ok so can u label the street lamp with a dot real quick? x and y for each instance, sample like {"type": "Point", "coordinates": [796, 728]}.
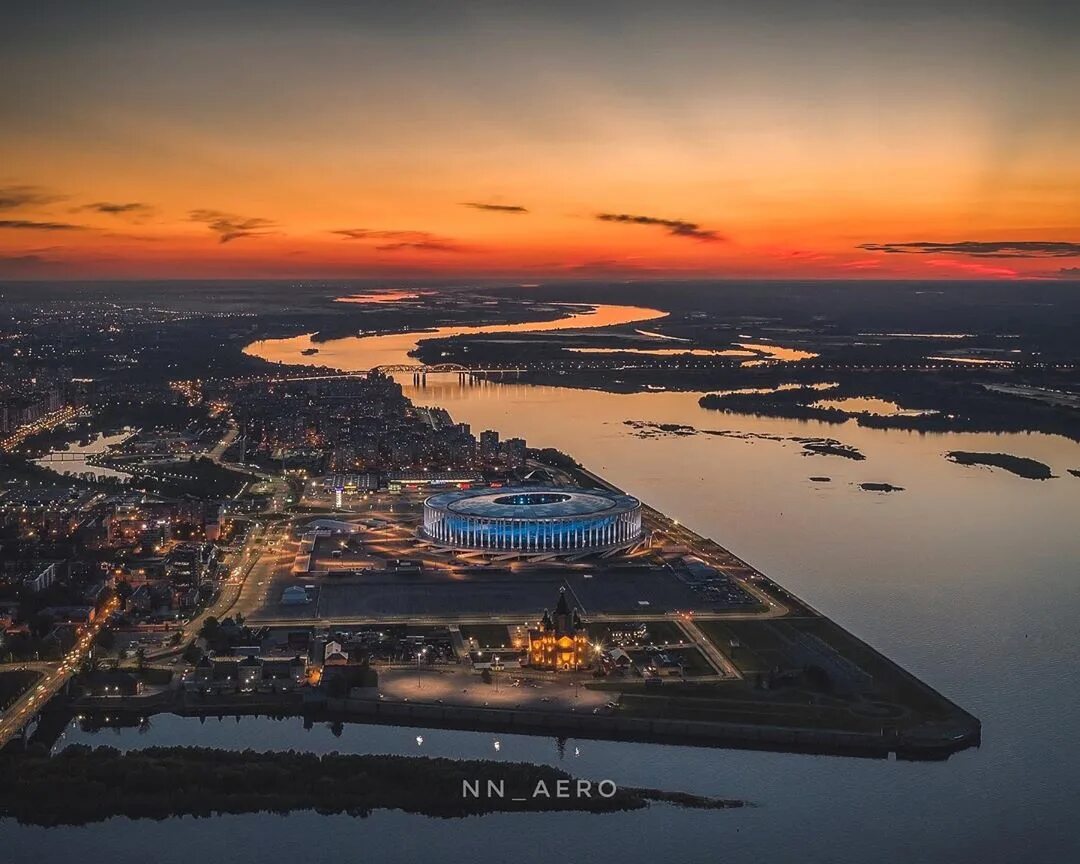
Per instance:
{"type": "Point", "coordinates": [419, 655]}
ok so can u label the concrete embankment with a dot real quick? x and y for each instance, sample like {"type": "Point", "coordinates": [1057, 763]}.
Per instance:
{"type": "Point", "coordinates": [922, 743]}
{"type": "Point", "coordinates": [927, 742]}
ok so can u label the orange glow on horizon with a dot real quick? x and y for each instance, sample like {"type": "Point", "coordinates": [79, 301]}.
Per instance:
{"type": "Point", "coordinates": [340, 143]}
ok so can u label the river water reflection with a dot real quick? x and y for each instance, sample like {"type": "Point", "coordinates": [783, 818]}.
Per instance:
{"type": "Point", "coordinates": [72, 459]}
{"type": "Point", "coordinates": [358, 353]}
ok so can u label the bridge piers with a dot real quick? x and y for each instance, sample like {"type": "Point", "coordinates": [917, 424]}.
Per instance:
{"type": "Point", "coordinates": [419, 374]}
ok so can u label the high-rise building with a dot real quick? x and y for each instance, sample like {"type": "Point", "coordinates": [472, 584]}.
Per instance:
{"type": "Point", "coordinates": [514, 452]}
{"type": "Point", "coordinates": [489, 445]}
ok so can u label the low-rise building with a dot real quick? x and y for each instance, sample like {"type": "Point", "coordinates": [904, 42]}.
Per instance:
{"type": "Point", "coordinates": [113, 683]}
{"type": "Point", "coordinates": [247, 675]}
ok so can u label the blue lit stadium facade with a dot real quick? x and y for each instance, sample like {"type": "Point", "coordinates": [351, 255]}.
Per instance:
{"type": "Point", "coordinates": [538, 520]}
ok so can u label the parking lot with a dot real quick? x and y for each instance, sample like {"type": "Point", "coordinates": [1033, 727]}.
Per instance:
{"type": "Point", "coordinates": [358, 576]}
{"type": "Point", "coordinates": [386, 593]}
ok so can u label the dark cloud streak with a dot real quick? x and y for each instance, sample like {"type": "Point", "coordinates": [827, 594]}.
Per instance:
{"type": "Point", "coordinates": [495, 208]}
{"type": "Point", "coordinates": [423, 245]}
{"type": "Point", "coordinates": [12, 197]}
{"type": "Point", "coordinates": [133, 209]}
{"type": "Point", "coordinates": [675, 227]}
{"type": "Point", "coordinates": [32, 225]}
{"type": "Point", "coordinates": [29, 264]}
{"type": "Point", "coordinates": [229, 226]}
{"type": "Point", "coordinates": [981, 248]}
{"type": "Point", "coordinates": [400, 240]}
{"type": "Point", "coordinates": [23, 259]}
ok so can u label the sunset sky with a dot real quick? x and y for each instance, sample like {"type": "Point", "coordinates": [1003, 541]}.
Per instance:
{"type": "Point", "coordinates": [543, 139]}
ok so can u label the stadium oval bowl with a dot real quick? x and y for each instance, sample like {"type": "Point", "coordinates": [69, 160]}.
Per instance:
{"type": "Point", "coordinates": [535, 519]}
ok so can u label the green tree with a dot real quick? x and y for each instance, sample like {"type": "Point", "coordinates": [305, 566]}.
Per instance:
{"type": "Point", "coordinates": [106, 640]}
{"type": "Point", "coordinates": [209, 628]}
{"type": "Point", "coordinates": [40, 624]}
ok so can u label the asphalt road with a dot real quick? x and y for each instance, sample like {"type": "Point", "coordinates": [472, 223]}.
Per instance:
{"type": "Point", "coordinates": [55, 676]}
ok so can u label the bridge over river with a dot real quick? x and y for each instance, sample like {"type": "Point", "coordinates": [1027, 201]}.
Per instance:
{"type": "Point", "coordinates": [417, 370]}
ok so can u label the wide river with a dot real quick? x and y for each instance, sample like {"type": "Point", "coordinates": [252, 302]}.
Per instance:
{"type": "Point", "coordinates": [969, 577]}
{"type": "Point", "coordinates": [359, 353]}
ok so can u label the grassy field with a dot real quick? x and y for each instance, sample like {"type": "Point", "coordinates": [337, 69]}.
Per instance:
{"type": "Point", "coordinates": [742, 705]}
{"type": "Point", "coordinates": [487, 635]}
{"type": "Point", "coordinates": [13, 684]}
{"type": "Point", "coordinates": [894, 692]}
{"type": "Point", "coordinates": [890, 681]}
{"type": "Point", "coordinates": [694, 663]}
{"type": "Point", "coordinates": [660, 633]}
{"type": "Point", "coordinates": [748, 661]}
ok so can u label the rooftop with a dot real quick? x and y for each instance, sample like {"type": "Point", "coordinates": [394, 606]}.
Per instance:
{"type": "Point", "coordinates": [533, 502]}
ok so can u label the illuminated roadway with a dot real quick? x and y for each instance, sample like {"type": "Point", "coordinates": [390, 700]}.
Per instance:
{"type": "Point", "coordinates": [233, 597]}
{"type": "Point", "coordinates": [231, 434]}
{"type": "Point", "coordinates": [49, 421]}
{"type": "Point", "coordinates": [27, 706]}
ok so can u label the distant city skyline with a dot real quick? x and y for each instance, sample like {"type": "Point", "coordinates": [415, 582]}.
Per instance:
{"type": "Point", "coordinates": [536, 141]}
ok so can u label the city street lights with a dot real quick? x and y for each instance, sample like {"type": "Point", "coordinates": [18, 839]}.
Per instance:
{"type": "Point", "coordinates": [419, 656]}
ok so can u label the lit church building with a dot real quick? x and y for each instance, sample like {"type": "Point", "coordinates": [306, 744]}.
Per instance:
{"type": "Point", "coordinates": [561, 641]}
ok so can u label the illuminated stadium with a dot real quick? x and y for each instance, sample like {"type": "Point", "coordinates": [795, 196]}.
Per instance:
{"type": "Point", "coordinates": [544, 520]}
